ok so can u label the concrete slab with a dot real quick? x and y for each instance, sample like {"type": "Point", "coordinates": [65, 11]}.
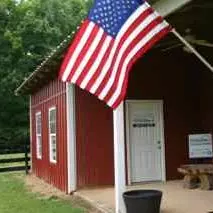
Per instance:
{"type": "Point", "coordinates": [176, 199]}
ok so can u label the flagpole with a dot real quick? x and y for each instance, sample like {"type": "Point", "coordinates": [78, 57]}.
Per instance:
{"type": "Point", "coordinates": [187, 44]}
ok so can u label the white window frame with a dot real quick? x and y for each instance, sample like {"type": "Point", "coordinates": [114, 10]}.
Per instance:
{"type": "Point", "coordinates": [38, 135]}
{"type": "Point", "coordinates": [51, 135]}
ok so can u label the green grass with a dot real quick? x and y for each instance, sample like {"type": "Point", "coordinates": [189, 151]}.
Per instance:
{"type": "Point", "coordinates": [14, 198]}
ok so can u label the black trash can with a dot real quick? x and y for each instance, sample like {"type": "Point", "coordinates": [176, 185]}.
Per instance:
{"type": "Point", "coordinates": [142, 201]}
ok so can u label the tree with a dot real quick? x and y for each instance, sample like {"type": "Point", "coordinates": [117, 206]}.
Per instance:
{"type": "Point", "coordinates": [29, 29]}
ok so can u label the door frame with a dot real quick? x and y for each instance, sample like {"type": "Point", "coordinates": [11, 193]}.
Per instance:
{"type": "Point", "coordinates": [162, 138]}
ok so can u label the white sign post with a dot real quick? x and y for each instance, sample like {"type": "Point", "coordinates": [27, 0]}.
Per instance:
{"type": "Point", "coordinates": [200, 146]}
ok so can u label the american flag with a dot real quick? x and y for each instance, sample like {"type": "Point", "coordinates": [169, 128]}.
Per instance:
{"type": "Point", "coordinates": [113, 36]}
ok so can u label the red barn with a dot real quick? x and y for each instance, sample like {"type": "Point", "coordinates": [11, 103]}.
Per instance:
{"type": "Point", "coordinates": [72, 131]}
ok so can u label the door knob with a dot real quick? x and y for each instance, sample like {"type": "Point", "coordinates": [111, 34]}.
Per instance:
{"type": "Point", "coordinates": [158, 142]}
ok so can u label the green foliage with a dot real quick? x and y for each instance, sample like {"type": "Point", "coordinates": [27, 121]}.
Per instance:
{"type": "Point", "coordinates": [29, 29]}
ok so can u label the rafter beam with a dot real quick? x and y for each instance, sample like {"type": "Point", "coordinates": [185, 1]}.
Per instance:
{"type": "Point", "coordinates": [166, 7]}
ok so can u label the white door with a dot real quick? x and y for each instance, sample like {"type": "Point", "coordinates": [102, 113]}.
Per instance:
{"type": "Point", "coordinates": [146, 145]}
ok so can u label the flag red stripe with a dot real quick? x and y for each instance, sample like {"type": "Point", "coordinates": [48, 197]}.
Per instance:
{"type": "Point", "coordinates": [75, 42]}
{"type": "Point", "coordinates": [139, 37]}
{"type": "Point", "coordinates": [99, 69]}
{"type": "Point", "coordinates": [91, 60]}
{"type": "Point", "coordinates": [143, 16]}
{"type": "Point", "coordinates": [151, 42]}
{"type": "Point", "coordinates": [83, 52]}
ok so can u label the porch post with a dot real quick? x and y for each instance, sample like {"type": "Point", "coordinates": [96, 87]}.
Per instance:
{"type": "Point", "coordinates": [119, 158]}
{"type": "Point", "coordinates": [71, 139]}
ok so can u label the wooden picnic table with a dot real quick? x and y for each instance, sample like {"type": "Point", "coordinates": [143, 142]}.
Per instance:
{"type": "Point", "coordinates": [197, 175]}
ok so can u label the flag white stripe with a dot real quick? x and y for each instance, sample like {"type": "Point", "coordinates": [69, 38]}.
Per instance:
{"type": "Point", "coordinates": [125, 45]}
{"type": "Point", "coordinates": [88, 55]}
{"type": "Point", "coordinates": [77, 51]}
{"type": "Point", "coordinates": [124, 28]}
{"type": "Point", "coordinates": [134, 51]}
{"type": "Point", "coordinates": [96, 63]}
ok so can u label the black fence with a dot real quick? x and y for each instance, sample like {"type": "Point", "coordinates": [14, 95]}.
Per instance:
{"type": "Point", "coordinates": [6, 157]}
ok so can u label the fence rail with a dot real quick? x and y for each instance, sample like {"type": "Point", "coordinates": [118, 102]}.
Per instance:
{"type": "Point", "coordinates": [6, 151]}
{"type": "Point", "coordinates": [13, 160]}
{"type": "Point", "coordinates": [13, 151]}
{"type": "Point", "coordinates": [15, 168]}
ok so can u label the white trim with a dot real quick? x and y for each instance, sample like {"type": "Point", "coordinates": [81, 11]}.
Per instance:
{"type": "Point", "coordinates": [163, 151]}
{"type": "Point", "coordinates": [71, 138]}
{"type": "Point", "coordinates": [163, 160]}
{"type": "Point", "coordinates": [144, 101]}
{"type": "Point", "coordinates": [119, 158]}
{"type": "Point", "coordinates": [52, 134]}
{"type": "Point", "coordinates": [31, 134]}
{"type": "Point", "coordinates": [38, 154]}
{"type": "Point", "coordinates": [128, 143]}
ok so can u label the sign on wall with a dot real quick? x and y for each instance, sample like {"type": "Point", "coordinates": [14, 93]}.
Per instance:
{"type": "Point", "coordinates": [143, 120]}
{"type": "Point", "coordinates": [200, 146]}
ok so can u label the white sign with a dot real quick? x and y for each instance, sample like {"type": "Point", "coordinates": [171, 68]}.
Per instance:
{"type": "Point", "coordinates": [200, 146]}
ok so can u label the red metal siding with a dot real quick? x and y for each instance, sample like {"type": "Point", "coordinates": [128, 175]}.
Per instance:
{"type": "Point", "coordinates": [154, 77]}
{"type": "Point", "coordinates": [161, 76]}
{"type": "Point", "coordinates": [53, 94]}
{"type": "Point", "coordinates": [94, 141]}
{"type": "Point", "coordinates": [207, 101]}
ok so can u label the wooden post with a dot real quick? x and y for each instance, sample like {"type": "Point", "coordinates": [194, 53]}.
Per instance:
{"type": "Point", "coordinates": [31, 132]}
{"type": "Point", "coordinates": [119, 158]}
{"type": "Point", "coordinates": [26, 156]}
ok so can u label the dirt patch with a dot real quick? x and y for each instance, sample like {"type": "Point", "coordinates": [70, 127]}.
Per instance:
{"type": "Point", "coordinates": [37, 185]}
{"type": "Point", "coordinates": [46, 191]}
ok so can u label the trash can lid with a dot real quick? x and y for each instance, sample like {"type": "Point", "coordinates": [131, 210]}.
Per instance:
{"type": "Point", "coordinates": [142, 193]}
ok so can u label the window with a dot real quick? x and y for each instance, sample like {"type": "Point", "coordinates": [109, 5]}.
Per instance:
{"type": "Point", "coordinates": [52, 135]}
{"type": "Point", "coordinates": [38, 136]}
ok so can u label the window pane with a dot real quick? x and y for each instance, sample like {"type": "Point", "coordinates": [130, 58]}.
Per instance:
{"type": "Point", "coordinates": [52, 132]}
{"type": "Point", "coordinates": [53, 115]}
{"type": "Point", "coordinates": [53, 147]}
{"type": "Point", "coordinates": [38, 135]}
{"type": "Point", "coordinates": [39, 146]}
{"type": "Point", "coordinates": [38, 123]}
{"type": "Point", "coordinates": [52, 128]}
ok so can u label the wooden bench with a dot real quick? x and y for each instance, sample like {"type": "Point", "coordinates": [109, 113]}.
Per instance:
{"type": "Point", "coordinates": [197, 175]}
